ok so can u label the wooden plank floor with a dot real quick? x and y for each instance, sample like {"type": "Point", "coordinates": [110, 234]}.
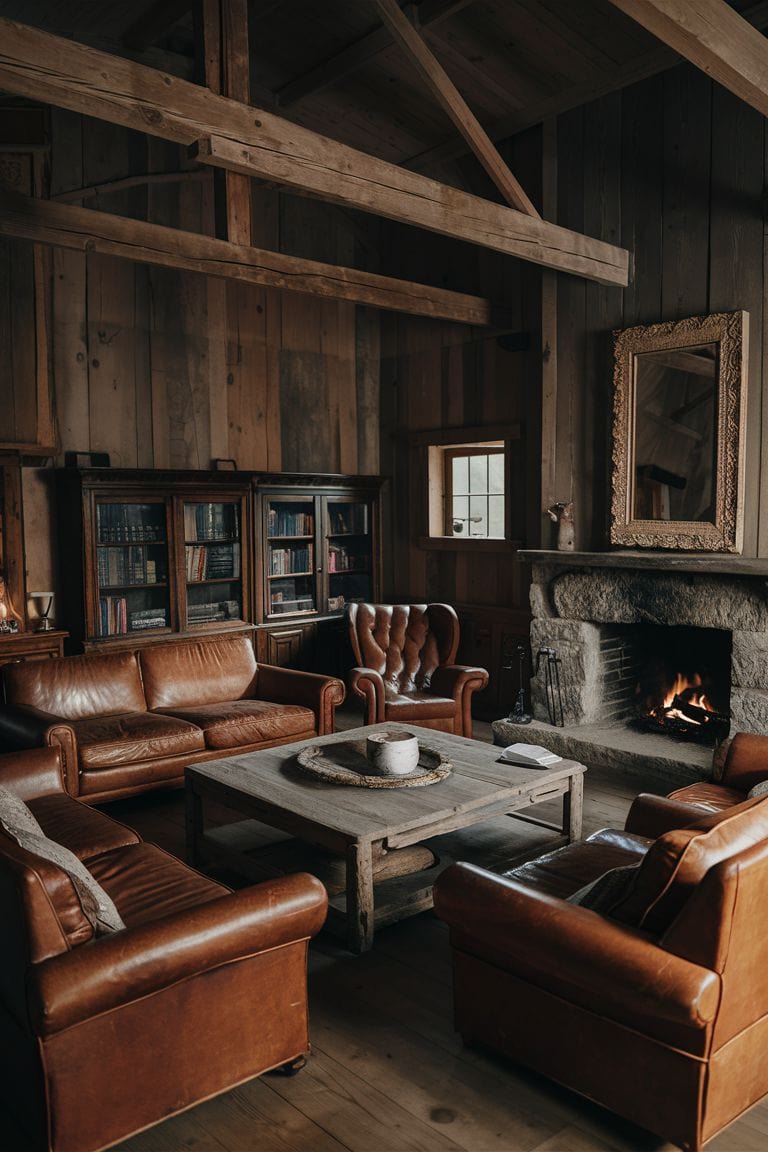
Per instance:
{"type": "Point", "coordinates": [387, 1072]}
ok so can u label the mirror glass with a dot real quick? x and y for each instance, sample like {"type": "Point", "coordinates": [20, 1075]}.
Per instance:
{"type": "Point", "coordinates": [675, 433]}
{"type": "Point", "coordinates": [679, 418]}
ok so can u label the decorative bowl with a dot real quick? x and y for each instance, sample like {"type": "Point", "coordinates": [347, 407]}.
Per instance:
{"type": "Point", "coordinates": [392, 753]}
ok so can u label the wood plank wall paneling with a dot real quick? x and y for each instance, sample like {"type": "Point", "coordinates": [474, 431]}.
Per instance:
{"type": "Point", "coordinates": [676, 165]}
{"type": "Point", "coordinates": [167, 369]}
{"type": "Point", "coordinates": [736, 267]}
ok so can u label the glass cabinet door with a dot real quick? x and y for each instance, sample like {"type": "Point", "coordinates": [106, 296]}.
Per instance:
{"type": "Point", "coordinates": [349, 549]}
{"type": "Point", "coordinates": [132, 567]}
{"type": "Point", "coordinates": [291, 582]}
{"type": "Point", "coordinates": [213, 561]}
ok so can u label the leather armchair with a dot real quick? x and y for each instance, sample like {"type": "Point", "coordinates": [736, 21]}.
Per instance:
{"type": "Point", "coordinates": [655, 1006]}
{"type": "Point", "coordinates": [744, 764]}
{"type": "Point", "coordinates": [406, 666]}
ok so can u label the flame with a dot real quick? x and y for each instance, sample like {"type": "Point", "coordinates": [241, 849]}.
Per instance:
{"type": "Point", "coordinates": [687, 687]}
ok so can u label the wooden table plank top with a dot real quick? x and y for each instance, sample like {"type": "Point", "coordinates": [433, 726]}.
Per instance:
{"type": "Point", "coordinates": [477, 781]}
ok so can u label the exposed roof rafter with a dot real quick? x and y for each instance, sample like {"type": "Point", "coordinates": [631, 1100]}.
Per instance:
{"type": "Point", "coordinates": [453, 104]}
{"type": "Point", "coordinates": [712, 36]}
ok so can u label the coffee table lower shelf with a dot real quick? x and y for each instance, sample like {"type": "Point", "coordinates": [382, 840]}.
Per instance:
{"type": "Point", "coordinates": [257, 852]}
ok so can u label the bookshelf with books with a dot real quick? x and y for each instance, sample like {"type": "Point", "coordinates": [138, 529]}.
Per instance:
{"type": "Point", "coordinates": [317, 550]}
{"type": "Point", "coordinates": [154, 554]}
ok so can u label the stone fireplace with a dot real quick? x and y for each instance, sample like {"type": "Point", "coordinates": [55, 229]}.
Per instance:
{"type": "Point", "coordinates": [614, 620]}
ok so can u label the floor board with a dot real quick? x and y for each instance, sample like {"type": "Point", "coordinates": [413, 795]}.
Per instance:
{"type": "Point", "coordinates": [387, 1072]}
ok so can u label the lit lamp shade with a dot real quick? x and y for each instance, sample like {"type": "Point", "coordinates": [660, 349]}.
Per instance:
{"type": "Point", "coordinates": [43, 602]}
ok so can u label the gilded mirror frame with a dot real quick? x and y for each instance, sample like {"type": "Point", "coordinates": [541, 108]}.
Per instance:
{"type": "Point", "coordinates": [729, 331]}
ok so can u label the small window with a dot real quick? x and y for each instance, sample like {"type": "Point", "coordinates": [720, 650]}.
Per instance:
{"type": "Point", "coordinates": [473, 491]}
{"type": "Point", "coordinates": [468, 486]}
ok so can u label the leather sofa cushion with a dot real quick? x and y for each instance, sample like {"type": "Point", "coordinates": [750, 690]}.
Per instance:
{"type": "Point", "coordinates": [147, 883]}
{"type": "Point", "coordinates": [241, 722]}
{"type": "Point", "coordinates": [676, 863]}
{"type": "Point", "coordinates": [85, 831]}
{"type": "Point", "coordinates": [711, 797]}
{"type": "Point", "coordinates": [200, 672]}
{"type": "Point", "coordinates": [563, 872]}
{"type": "Point", "coordinates": [77, 687]}
{"type": "Point", "coordinates": [415, 705]}
{"type": "Point", "coordinates": [115, 740]}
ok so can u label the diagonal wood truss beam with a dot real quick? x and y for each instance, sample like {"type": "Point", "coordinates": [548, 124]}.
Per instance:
{"type": "Point", "coordinates": [251, 140]}
{"type": "Point", "coordinates": [442, 87]}
{"type": "Point", "coordinates": [84, 230]}
{"type": "Point", "coordinates": [713, 36]}
{"type": "Point", "coordinates": [336, 67]}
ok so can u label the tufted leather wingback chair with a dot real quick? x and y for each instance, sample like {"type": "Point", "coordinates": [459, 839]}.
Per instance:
{"type": "Point", "coordinates": [406, 672]}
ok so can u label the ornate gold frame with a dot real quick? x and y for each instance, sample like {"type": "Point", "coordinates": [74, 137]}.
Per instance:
{"type": "Point", "coordinates": [730, 330]}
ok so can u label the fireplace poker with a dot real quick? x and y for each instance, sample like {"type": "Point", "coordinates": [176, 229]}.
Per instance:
{"type": "Point", "coordinates": [518, 714]}
{"type": "Point", "coordinates": [552, 688]}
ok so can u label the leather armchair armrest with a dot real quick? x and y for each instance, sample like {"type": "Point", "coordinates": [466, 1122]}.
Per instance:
{"type": "Point", "coordinates": [587, 957]}
{"type": "Point", "coordinates": [118, 969]}
{"type": "Point", "coordinates": [652, 816]}
{"type": "Point", "coordinates": [289, 686]}
{"type": "Point", "coordinates": [24, 727]}
{"type": "Point", "coordinates": [455, 679]}
{"type": "Point", "coordinates": [369, 684]}
{"type": "Point", "coordinates": [32, 772]}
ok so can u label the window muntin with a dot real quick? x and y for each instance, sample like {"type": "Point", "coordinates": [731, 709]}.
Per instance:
{"type": "Point", "coordinates": [473, 491]}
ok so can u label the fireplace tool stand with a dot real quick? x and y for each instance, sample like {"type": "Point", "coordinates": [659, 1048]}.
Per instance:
{"type": "Point", "coordinates": [552, 688]}
{"type": "Point", "coordinates": [518, 714]}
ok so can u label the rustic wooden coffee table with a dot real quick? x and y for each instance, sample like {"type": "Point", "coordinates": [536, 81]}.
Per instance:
{"type": "Point", "coordinates": [361, 824]}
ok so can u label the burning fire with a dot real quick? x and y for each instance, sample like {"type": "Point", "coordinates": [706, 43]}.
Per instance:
{"type": "Point", "coordinates": [685, 689]}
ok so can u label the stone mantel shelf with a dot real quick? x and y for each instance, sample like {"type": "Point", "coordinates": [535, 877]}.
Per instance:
{"type": "Point", "coordinates": [707, 562]}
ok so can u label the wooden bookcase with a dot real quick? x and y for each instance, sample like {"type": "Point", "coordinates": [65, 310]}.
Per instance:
{"type": "Point", "coordinates": [318, 548]}
{"type": "Point", "coordinates": [153, 555]}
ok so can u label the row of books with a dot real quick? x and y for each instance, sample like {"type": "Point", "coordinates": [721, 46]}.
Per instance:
{"type": "Point", "coordinates": [283, 561]}
{"type": "Point", "coordinates": [289, 522]}
{"type": "Point", "coordinates": [128, 523]}
{"type": "Point", "coordinates": [131, 565]}
{"type": "Point", "coordinates": [221, 610]}
{"type": "Point", "coordinates": [116, 620]}
{"type": "Point", "coordinates": [212, 562]}
{"type": "Point", "coordinates": [211, 522]}
{"type": "Point", "coordinates": [340, 559]}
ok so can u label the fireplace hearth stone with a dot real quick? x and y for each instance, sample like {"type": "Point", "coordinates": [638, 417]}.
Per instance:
{"type": "Point", "coordinates": [578, 598]}
{"type": "Point", "coordinates": [662, 758]}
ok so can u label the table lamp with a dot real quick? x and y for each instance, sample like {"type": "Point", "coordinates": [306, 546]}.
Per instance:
{"type": "Point", "coordinates": [43, 602]}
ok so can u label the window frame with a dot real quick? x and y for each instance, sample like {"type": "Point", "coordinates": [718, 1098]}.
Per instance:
{"type": "Point", "coordinates": [429, 447]}
{"type": "Point", "coordinates": [461, 451]}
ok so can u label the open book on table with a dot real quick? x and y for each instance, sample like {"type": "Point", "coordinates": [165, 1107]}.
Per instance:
{"type": "Point", "coordinates": [529, 756]}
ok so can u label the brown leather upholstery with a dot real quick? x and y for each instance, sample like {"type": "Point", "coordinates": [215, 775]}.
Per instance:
{"type": "Point", "coordinates": [129, 721]}
{"type": "Point", "coordinates": [745, 764]}
{"type": "Point", "coordinates": [406, 671]}
{"type": "Point", "coordinates": [103, 1037]}
{"type": "Point", "coordinates": [665, 1023]}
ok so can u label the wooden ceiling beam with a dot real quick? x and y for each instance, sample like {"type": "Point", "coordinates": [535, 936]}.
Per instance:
{"type": "Point", "coordinates": [453, 104]}
{"type": "Point", "coordinates": [712, 36]}
{"type": "Point", "coordinates": [258, 143]}
{"type": "Point", "coordinates": [84, 230]}
{"type": "Point", "coordinates": [640, 68]}
{"type": "Point", "coordinates": [349, 59]}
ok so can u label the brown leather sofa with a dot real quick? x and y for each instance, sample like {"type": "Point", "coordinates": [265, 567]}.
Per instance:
{"type": "Point", "coordinates": [655, 1006]}
{"type": "Point", "coordinates": [130, 721]}
{"type": "Point", "coordinates": [103, 1036]}
{"type": "Point", "coordinates": [407, 672]}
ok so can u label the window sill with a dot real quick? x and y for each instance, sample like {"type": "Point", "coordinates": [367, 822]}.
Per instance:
{"type": "Point", "coordinates": [456, 544]}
